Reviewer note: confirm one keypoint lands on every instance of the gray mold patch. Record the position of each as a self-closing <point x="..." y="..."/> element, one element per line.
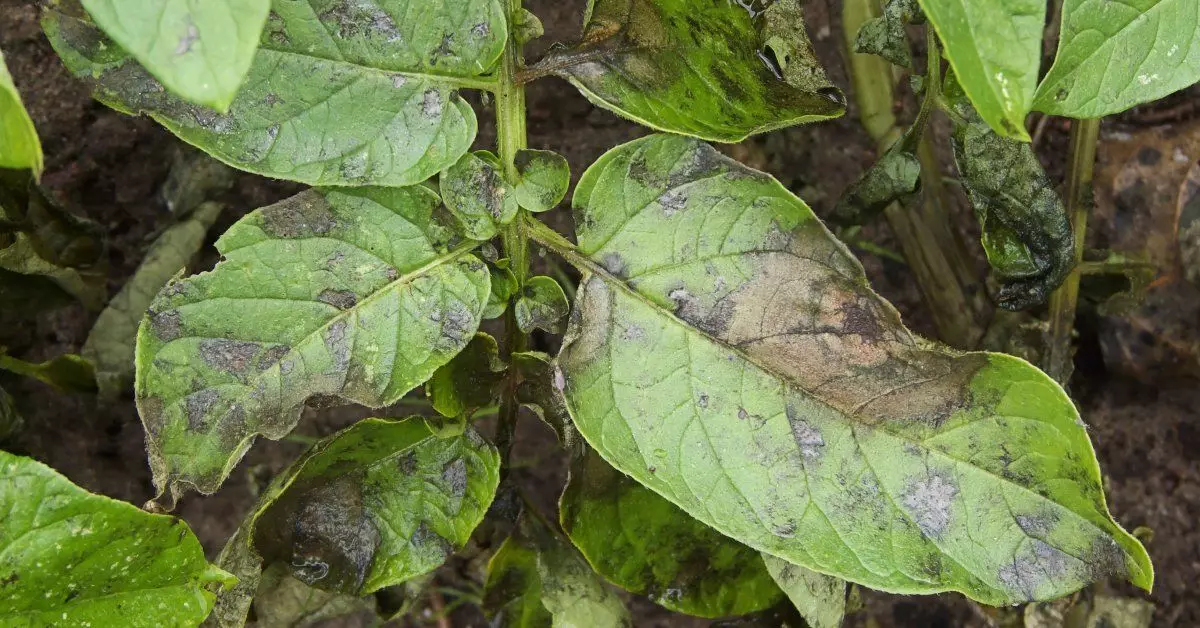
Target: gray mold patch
<point x="928" y="500"/>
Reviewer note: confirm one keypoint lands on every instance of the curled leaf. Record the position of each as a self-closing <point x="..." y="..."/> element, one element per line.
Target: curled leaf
<point x="886" y="35"/>
<point x="748" y="374"/>
<point x="351" y="293"/>
<point x="540" y="390"/>
<point x="504" y="286"/>
<point x="895" y="176"/>
<point x="709" y="70"/>
<point x="542" y="305"/>
<point x="470" y="380"/>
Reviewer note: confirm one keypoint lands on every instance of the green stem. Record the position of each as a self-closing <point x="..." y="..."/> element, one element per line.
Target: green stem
<point x="1063" y="302"/>
<point x="511" y="137"/>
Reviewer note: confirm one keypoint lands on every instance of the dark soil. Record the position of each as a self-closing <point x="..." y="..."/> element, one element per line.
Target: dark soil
<point x="1136" y="377"/>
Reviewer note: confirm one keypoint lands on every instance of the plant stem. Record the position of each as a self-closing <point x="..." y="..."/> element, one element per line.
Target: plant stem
<point x="511" y="137"/>
<point x="1084" y="134"/>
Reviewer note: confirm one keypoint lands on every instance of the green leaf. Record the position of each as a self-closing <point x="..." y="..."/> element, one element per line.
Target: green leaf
<point x="724" y="338"/>
<point x="540" y="390"/>
<point x="1114" y="56"/>
<point x="198" y="50"/>
<point x="67" y="372"/>
<point x="470" y="381"/>
<point x="527" y="27"/>
<point x="537" y="579"/>
<point x="194" y="178"/>
<point x="11" y="422"/>
<point x="820" y="599"/>
<point x="345" y="93"/>
<point x="110" y="345"/>
<point x="20" y="147"/>
<point x="542" y="305"/>
<point x="1025" y="231"/>
<point x="374" y="505"/>
<point x="996" y="47"/>
<point x="887" y="35"/>
<point x="544" y="179"/>
<point x="477" y="195"/>
<point x="71" y="558"/>
<point x="677" y="66"/>
<point x="646" y="545"/>
<point x="504" y="286"/>
<point x="353" y="293"/>
<point x="282" y="601"/>
<point x="896" y="176"/>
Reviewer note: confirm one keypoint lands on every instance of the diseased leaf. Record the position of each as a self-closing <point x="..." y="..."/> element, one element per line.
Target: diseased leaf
<point x="1026" y="234"/>
<point x="374" y="505"/>
<point x="20" y="147"/>
<point x="995" y="46"/>
<point x="1121" y="281"/>
<point x="544" y="179"/>
<point x="470" y="381"/>
<point x="886" y="35"/>
<point x="194" y="178"/>
<point x="722" y="336"/>
<point x="110" y="345"/>
<point x="1112" y="56"/>
<point x="504" y="286"/>
<point x="537" y="579"/>
<point x="353" y="293"/>
<point x="282" y="601"/>
<point x="1120" y="612"/>
<point x="527" y="27"/>
<point x="540" y="390"/>
<point x="348" y="92"/>
<point x="71" y="558"/>
<point x="36" y="294"/>
<point x="477" y="195"/>
<point x="198" y="50"/>
<point x="647" y="545"/>
<point x="821" y="599"/>
<point x="696" y="68"/>
<point x="542" y="305"/>
<point x="896" y="176"/>
<point x="11" y="422"/>
<point x="67" y="372"/>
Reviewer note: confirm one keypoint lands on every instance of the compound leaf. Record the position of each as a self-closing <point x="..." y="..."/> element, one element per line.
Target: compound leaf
<point x="110" y="345"/>
<point x="470" y="381"/>
<point x="1112" y="56"/>
<point x="72" y="558"/>
<point x="542" y="305"/>
<point x="374" y="505"/>
<point x="354" y="293"/>
<point x="1025" y="231"/>
<point x="726" y="352"/>
<point x="200" y="50"/>
<point x="647" y="545"/>
<point x="700" y="69"/>
<point x="544" y="178"/>
<point x="341" y="93"/>
<point x="820" y="599"/>
<point x="995" y="46"/>
<point x="20" y="147"/>
<point x="477" y="195"/>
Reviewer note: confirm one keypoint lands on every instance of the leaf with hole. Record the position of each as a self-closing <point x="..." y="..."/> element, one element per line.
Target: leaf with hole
<point x="470" y="381"/>
<point x="339" y="93"/>
<point x="477" y="195"/>
<point x="355" y="293"/>
<point x="647" y="545"/>
<point x="819" y="598"/>
<point x="74" y="558"/>
<point x="1025" y="232"/>
<point x="200" y="51"/>
<point x="996" y="47"/>
<point x="696" y="69"/>
<point x="542" y="305"/>
<point x="20" y="147"/>
<point x="1115" y="55"/>
<point x="374" y="505"/>
<point x="110" y="344"/>
<point x="543" y="179"/>
<point x="726" y="352"/>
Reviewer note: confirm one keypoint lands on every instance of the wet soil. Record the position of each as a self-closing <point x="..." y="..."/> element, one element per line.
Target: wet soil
<point x="1140" y="400"/>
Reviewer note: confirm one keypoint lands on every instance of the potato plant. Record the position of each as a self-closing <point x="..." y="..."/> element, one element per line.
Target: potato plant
<point x="750" y="426"/>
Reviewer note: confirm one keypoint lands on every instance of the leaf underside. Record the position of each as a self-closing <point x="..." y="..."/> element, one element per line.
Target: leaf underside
<point x="1112" y="56"/>
<point x="198" y="50"/>
<point x="353" y="293"/>
<point x="726" y="352"/>
<point x="71" y="558"/>
<point x="996" y="46"/>
<point x="696" y="68"/>
<point x="342" y="93"/>
<point x="819" y="598"/>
